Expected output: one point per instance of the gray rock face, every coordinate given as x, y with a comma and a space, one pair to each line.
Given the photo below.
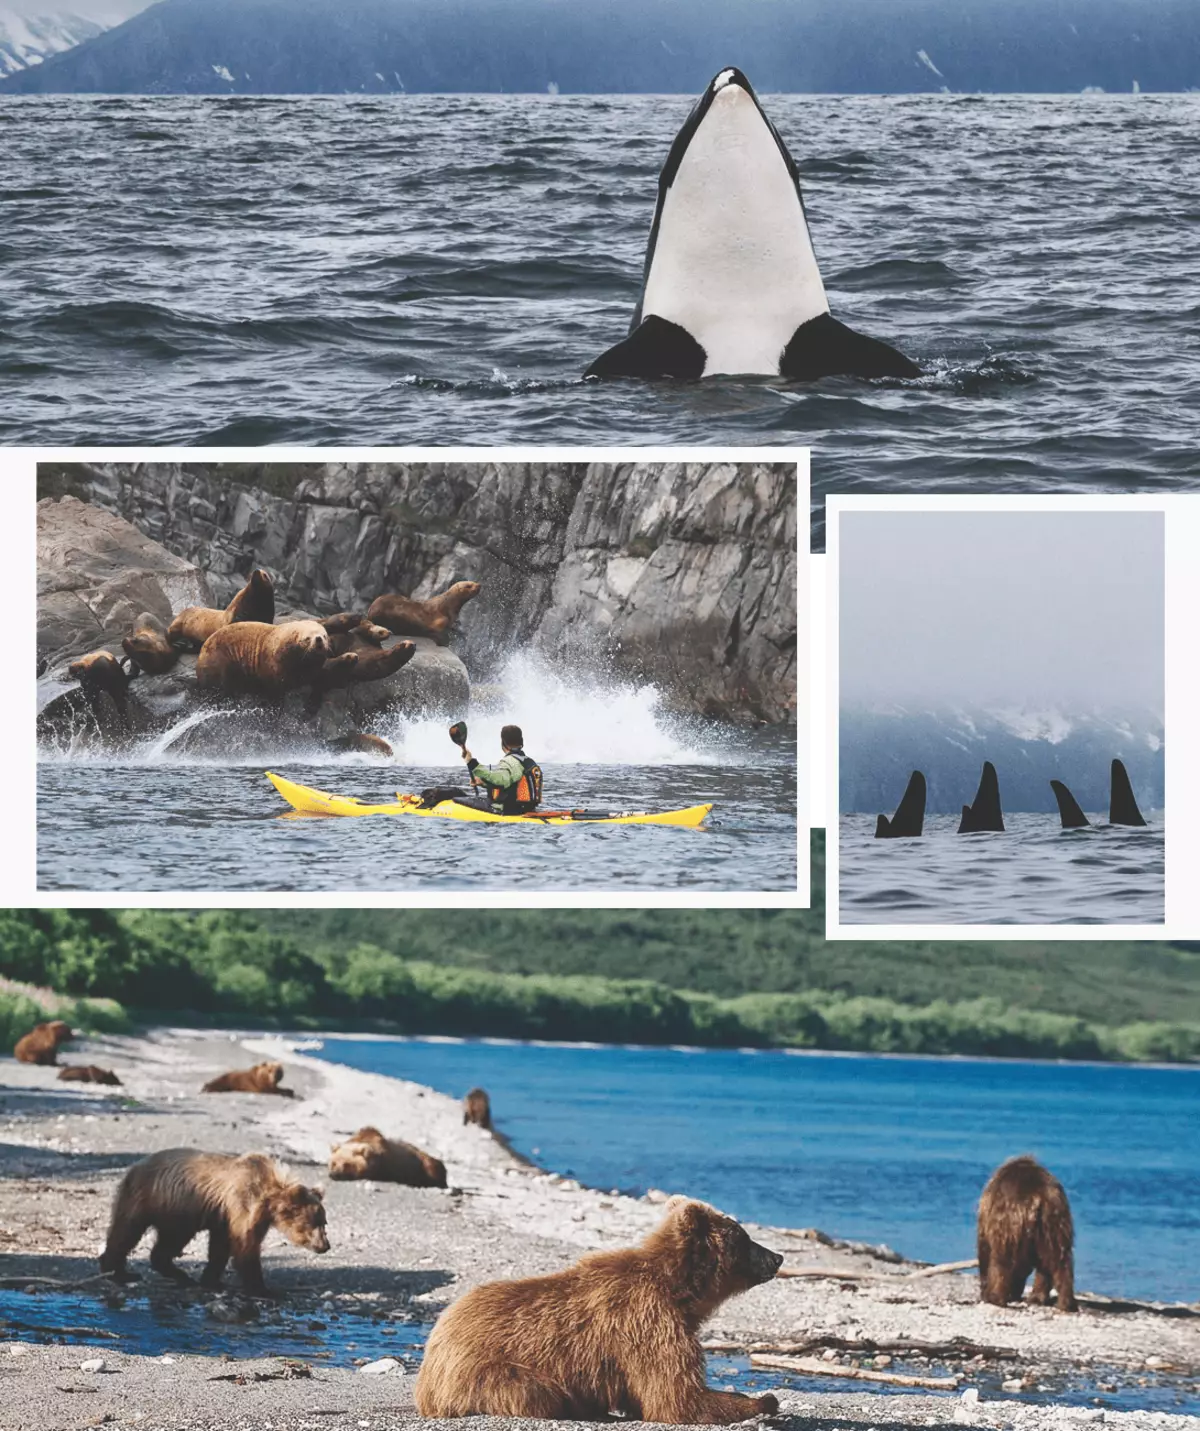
684, 575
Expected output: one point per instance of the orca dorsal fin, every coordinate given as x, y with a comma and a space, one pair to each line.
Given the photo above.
909, 819
1069, 812
825, 348
1122, 807
984, 813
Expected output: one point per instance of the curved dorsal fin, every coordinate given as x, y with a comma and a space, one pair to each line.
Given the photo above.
1122, 807
1069, 812
984, 813
909, 819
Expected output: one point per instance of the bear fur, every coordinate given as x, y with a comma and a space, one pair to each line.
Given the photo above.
149, 648
195, 624
182, 1191
477, 1108
1025, 1226
433, 618
254, 659
367, 1154
88, 1073
616, 1332
262, 1078
40, 1044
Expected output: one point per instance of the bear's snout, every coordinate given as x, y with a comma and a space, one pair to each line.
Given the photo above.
764, 1263
319, 1241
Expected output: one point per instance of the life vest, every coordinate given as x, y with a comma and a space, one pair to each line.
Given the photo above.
526, 794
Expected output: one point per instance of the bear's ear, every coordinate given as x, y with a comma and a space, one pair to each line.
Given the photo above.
691, 1217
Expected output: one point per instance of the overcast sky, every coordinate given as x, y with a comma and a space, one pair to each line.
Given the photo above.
1050, 609
109, 12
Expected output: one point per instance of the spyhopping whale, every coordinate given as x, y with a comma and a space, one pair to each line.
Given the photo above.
731, 283
1122, 807
984, 813
1069, 813
909, 819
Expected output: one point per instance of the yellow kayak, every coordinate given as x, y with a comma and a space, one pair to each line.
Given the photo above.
307, 801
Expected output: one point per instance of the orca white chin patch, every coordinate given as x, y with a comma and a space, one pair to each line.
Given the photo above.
731, 281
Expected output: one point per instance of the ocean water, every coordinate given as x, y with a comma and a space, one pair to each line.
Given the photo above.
441, 270
1034, 873
159, 820
890, 1150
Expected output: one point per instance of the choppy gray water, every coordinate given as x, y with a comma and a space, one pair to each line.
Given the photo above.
440, 270
1033, 873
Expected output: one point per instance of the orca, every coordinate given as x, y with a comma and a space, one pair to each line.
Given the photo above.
1069, 812
984, 813
731, 283
1122, 807
909, 819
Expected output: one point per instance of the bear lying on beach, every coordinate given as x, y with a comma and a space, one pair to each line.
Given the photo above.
477, 1108
88, 1073
614, 1333
195, 624
40, 1044
182, 1191
262, 1078
368, 1155
1025, 1226
403, 616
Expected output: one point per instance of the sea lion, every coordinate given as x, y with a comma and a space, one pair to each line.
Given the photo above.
348, 632
359, 743
195, 624
403, 616
255, 659
149, 647
367, 663
100, 673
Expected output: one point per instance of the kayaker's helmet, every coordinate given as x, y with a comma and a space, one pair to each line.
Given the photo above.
511, 737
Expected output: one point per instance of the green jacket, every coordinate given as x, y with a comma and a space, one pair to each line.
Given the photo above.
502, 775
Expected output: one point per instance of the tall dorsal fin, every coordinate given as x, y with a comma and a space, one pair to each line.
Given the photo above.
1122, 807
909, 819
1069, 812
984, 812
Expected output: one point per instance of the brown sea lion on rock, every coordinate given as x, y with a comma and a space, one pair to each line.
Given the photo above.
477, 1108
88, 1073
262, 1078
353, 667
433, 618
1025, 1226
182, 1191
359, 743
348, 632
368, 1155
149, 647
100, 673
255, 659
41, 1043
195, 624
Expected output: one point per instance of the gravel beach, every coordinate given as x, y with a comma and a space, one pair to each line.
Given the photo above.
400, 1254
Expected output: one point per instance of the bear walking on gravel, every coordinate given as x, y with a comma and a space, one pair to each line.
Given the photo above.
41, 1043
477, 1108
1025, 1226
614, 1333
368, 1155
262, 1078
182, 1191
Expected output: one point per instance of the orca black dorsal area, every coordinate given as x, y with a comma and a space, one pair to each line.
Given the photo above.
909, 819
1122, 807
1069, 812
984, 813
731, 283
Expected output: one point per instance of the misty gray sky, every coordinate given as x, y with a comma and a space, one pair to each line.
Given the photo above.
1047, 609
111, 12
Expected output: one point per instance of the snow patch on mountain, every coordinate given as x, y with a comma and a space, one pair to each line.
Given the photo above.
29, 39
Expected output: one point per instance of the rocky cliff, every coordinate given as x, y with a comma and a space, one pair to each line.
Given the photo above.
684, 575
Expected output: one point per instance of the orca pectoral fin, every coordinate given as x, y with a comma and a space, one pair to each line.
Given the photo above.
985, 813
825, 348
1071, 815
1122, 807
657, 348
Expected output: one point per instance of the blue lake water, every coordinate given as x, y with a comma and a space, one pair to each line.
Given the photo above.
891, 1150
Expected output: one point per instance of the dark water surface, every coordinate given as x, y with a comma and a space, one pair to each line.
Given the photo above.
893, 1150
1035, 872
440, 270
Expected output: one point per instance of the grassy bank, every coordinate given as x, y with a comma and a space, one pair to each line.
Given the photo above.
223, 966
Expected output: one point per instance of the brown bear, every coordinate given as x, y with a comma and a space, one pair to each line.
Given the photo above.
368, 1155
182, 1191
100, 673
254, 659
40, 1044
1025, 1226
477, 1108
88, 1073
148, 646
195, 624
614, 1333
433, 618
262, 1078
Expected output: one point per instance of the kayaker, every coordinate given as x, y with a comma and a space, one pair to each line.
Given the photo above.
513, 786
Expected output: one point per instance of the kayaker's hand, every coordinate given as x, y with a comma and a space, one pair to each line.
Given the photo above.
466, 754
